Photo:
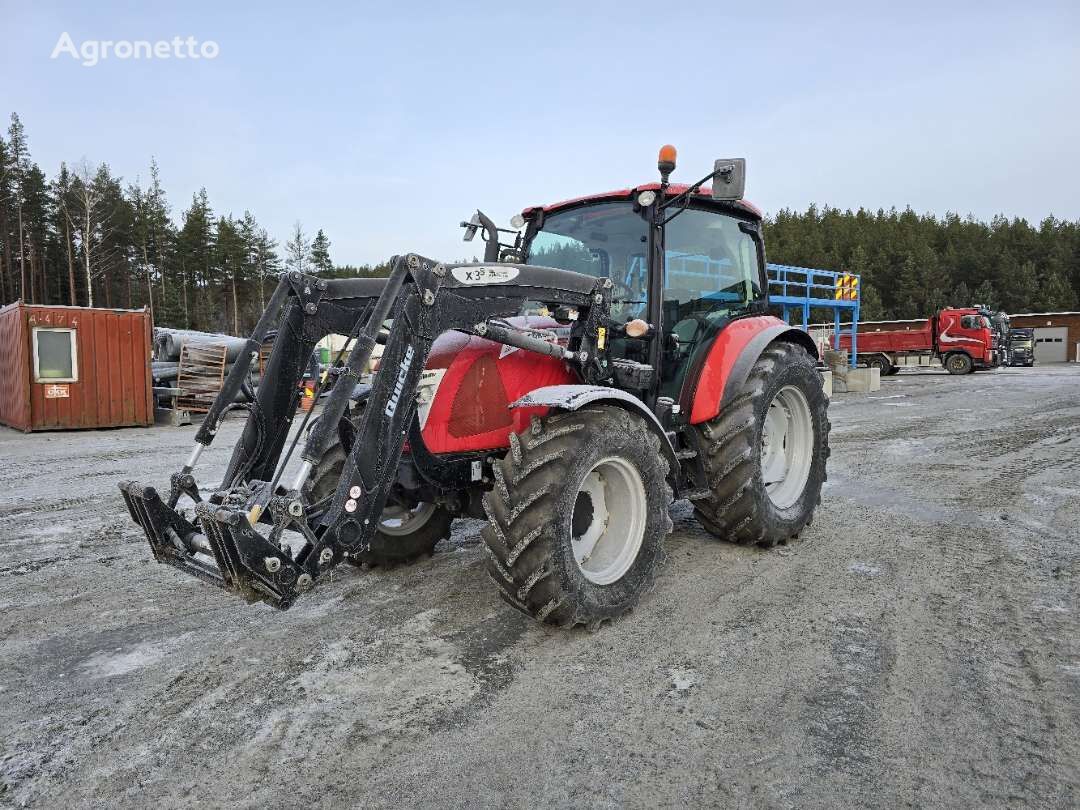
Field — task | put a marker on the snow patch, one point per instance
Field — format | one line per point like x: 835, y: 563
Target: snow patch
x: 682, y: 678
x: 108, y: 665
x: 905, y: 448
x: 864, y: 569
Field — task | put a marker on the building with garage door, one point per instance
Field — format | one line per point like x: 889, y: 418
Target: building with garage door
x: 1057, y: 334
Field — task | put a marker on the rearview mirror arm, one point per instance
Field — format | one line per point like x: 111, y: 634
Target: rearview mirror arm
x: 683, y: 199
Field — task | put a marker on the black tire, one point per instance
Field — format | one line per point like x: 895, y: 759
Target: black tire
x: 893, y: 371
x: 537, y: 495
x: 881, y: 363
x: 959, y: 363
x: 739, y: 507
x: 386, y: 549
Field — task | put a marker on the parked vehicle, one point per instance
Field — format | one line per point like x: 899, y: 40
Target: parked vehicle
x: 615, y: 355
x: 1022, y: 347
x: 999, y: 329
x: 961, y: 340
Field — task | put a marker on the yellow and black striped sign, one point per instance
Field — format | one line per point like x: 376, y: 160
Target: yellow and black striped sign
x: 847, y: 288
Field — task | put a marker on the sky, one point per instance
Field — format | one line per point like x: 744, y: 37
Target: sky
x: 387, y: 124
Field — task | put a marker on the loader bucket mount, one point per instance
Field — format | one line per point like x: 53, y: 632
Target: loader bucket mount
x: 261, y: 539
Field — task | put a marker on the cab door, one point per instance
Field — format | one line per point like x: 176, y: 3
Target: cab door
x: 713, y: 271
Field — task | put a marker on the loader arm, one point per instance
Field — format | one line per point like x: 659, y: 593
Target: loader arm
x: 305, y: 540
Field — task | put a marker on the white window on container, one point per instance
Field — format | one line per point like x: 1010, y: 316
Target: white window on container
x: 56, y: 359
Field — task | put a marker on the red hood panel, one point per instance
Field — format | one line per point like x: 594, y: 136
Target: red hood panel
x: 471, y: 410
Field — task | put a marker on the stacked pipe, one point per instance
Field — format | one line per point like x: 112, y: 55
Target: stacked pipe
x: 165, y: 365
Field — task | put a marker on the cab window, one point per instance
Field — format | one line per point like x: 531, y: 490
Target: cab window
x: 711, y: 265
x: 712, y: 271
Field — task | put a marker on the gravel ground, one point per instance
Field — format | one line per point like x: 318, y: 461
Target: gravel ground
x: 920, y: 646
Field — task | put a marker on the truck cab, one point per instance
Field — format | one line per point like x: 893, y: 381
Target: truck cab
x: 1022, y: 347
x: 968, y: 331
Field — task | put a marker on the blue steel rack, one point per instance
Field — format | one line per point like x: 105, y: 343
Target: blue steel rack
x: 798, y: 289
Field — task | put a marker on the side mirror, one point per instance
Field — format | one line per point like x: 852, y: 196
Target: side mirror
x: 729, y: 179
x: 471, y: 227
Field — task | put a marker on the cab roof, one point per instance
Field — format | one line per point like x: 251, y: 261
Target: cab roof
x: 673, y: 189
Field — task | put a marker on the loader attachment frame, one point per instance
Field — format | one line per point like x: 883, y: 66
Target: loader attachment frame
x: 265, y: 540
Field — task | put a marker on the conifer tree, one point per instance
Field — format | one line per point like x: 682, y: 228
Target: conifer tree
x: 320, y: 253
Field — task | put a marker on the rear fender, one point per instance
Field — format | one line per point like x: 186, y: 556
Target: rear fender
x: 574, y: 397
x: 733, y: 355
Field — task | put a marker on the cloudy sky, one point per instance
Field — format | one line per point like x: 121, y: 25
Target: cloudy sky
x: 386, y: 124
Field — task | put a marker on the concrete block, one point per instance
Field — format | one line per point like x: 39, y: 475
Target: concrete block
x: 863, y: 380
x: 171, y: 417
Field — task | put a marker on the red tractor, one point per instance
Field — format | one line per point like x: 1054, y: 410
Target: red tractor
x: 614, y: 354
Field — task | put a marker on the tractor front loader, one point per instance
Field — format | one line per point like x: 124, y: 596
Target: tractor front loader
x: 615, y: 356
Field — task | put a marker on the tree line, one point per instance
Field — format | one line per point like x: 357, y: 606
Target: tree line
x: 85, y: 238
x: 912, y: 265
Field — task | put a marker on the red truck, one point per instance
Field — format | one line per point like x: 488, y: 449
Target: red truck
x: 961, y: 339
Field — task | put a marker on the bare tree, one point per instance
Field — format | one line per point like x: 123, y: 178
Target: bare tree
x: 297, y: 249
x: 62, y: 192
x: 90, y: 219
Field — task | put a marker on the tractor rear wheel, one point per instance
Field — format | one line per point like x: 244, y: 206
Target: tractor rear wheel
x: 404, y: 534
x: 578, y: 516
x: 765, y: 452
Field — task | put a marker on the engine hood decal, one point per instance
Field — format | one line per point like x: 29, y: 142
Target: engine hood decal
x: 485, y: 274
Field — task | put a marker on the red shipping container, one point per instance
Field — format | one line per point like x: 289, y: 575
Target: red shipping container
x: 73, y: 367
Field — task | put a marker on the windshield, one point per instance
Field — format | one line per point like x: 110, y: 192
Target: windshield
x: 605, y: 241
x: 712, y: 264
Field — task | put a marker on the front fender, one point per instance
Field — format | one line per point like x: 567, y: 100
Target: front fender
x: 731, y: 357
x: 574, y: 397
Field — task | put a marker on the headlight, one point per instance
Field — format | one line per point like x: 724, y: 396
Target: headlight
x: 425, y: 392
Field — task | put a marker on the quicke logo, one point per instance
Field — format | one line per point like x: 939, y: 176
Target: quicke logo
x: 406, y: 364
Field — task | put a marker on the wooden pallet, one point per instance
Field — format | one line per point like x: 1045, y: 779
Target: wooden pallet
x: 264, y: 355
x: 201, y: 375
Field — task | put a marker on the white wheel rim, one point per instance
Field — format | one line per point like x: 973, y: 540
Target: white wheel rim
x: 608, y: 523
x: 398, y: 521
x: 787, y: 446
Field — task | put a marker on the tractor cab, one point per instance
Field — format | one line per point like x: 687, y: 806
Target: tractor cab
x: 686, y: 259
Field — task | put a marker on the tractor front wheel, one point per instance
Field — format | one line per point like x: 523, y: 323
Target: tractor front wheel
x: 578, y: 516
x: 405, y: 532
x: 765, y: 452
